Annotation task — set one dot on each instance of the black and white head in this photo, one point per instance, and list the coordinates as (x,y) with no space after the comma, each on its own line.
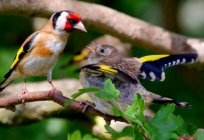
(67,21)
(102,54)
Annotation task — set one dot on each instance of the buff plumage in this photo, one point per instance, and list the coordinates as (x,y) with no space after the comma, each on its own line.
(39,52)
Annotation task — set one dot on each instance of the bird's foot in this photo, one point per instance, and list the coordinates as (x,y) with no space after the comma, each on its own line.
(86,104)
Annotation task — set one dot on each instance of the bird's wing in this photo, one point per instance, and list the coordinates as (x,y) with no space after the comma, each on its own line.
(109,70)
(101,68)
(23,50)
(153,66)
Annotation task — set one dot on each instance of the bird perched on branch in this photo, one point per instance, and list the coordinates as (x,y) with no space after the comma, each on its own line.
(105,62)
(39,52)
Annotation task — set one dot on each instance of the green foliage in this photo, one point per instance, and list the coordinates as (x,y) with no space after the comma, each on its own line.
(50,129)
(79,93)
(199,135)
(109,92)
(165,125)
(76,135)
(128,131)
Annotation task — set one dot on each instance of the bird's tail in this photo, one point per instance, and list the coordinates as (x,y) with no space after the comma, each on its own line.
(153,66)
(8,78)
(4,84)
(164,100)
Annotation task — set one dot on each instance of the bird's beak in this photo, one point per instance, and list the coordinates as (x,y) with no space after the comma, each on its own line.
(80,26)
(92,49)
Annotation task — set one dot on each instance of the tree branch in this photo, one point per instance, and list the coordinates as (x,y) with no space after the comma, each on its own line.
(35,111)
(111,21)
(56,96)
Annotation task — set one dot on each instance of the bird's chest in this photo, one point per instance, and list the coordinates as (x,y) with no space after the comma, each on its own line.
(127,92)
(56,46)
(41,59)
(36,66)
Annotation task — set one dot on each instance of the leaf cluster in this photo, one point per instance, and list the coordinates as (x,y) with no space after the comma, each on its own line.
(165,125)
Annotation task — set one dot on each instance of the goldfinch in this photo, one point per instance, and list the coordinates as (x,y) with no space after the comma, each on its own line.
(149,67)
(39,52)
(105,62)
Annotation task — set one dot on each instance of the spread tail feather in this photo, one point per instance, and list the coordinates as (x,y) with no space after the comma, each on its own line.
(153,66)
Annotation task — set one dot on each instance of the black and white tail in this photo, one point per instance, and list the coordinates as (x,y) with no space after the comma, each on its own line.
(153,66)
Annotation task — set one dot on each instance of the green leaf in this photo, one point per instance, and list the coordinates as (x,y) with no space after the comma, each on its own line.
(84,90)
(135,115)
(67,103)
(165,123)
(79,93)
(199,135)
(135,112)
(128,131)
(89,137)
(76,135)
(191,128)
(182,127)
(138,135)
(116,111)
(109,92)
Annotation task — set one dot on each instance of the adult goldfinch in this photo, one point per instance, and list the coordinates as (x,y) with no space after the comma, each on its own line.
(39,52)
(105,62)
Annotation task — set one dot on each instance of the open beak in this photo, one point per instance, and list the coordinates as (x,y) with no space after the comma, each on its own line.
(80,26)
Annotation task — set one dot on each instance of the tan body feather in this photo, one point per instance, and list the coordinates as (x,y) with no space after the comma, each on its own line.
(41,57)
(40,51)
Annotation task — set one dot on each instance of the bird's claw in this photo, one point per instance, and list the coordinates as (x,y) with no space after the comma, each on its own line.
(86,104)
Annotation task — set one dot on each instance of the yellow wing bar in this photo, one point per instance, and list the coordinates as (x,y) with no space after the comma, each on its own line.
(17,57)
(107,69)
(101,68)
(152,57)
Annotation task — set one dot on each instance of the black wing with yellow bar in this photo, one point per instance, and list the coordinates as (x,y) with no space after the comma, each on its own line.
(106,69)
(153,66)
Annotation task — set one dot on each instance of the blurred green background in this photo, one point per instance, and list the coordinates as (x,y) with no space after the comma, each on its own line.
(184,83)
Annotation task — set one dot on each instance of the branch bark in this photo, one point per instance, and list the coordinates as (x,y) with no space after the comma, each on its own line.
(111,21)
(38,110)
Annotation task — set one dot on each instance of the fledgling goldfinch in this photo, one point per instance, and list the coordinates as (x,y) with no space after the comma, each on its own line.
(39,52)
(105,62)
(107,59)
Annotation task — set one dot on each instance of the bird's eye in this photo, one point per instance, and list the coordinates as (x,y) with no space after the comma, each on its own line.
(102,51)
(72,21)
